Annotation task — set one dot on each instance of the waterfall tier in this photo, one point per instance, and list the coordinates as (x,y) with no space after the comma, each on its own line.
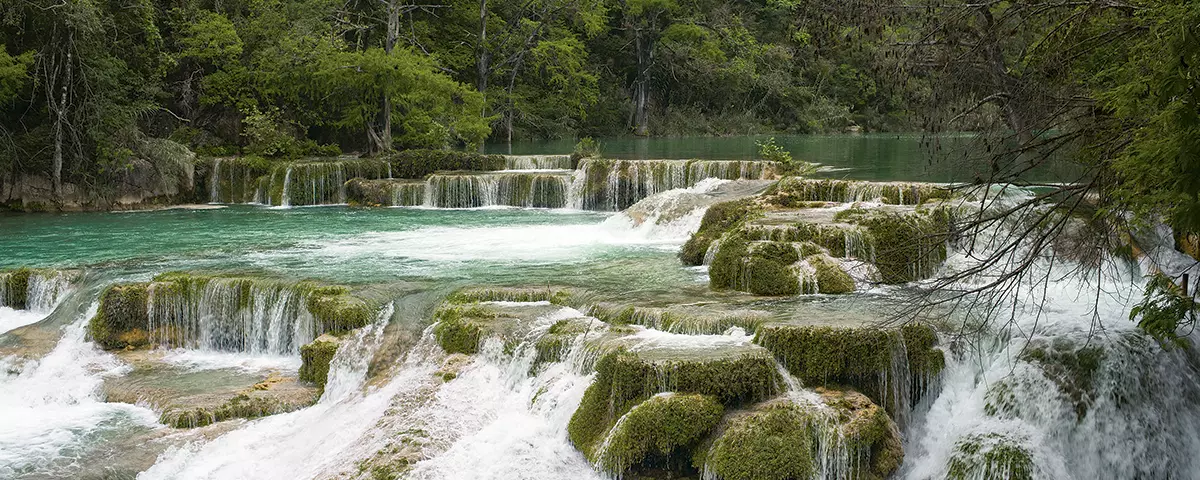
(235,314)
(525,181)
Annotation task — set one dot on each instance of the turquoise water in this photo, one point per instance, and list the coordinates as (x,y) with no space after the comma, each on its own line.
(352,245)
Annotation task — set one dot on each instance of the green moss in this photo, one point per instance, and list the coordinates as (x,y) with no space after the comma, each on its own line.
(122,310)
(624,380)
(989,457)
(768,277)
(870,434)
(831,279)
(17,288)
(771,444)
(337,310)
(718,219)
(725,271)
(781,252)
(315,358)
(658,432)
(857,357)
(458,329)
(907,247)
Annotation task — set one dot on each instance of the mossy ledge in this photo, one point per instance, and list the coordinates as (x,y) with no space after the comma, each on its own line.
(863,358)
(240,406)
(47,285)
(315,358)
(717,220)
(623,379)
(123,317)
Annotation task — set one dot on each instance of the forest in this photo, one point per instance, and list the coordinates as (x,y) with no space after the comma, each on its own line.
(87,87)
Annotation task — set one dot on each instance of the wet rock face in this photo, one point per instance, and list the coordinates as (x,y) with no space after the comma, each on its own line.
(990,457)
(34,289)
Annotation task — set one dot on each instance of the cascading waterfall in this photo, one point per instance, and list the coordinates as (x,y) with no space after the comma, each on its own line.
(534,190)
(230,315)
(850,191)
(537,162)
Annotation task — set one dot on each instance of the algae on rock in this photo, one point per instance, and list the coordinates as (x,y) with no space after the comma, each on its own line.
(989,457)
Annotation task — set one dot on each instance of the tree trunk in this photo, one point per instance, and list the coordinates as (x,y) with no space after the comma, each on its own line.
(59,113)
(641,85)
(380,134)
(482,67)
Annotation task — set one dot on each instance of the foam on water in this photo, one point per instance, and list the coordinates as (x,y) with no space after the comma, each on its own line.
(199,360)
(51,410)
(10,318)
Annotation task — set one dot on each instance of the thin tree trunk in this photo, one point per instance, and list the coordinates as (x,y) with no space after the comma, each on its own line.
(60,112)
(379,135)
(641,85)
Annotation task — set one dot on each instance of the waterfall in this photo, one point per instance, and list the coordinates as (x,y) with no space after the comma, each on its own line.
(408,194)
(230,315)
(537,162)
(214,183)
(614,185)
(286,200)
(850,191)
(531,190)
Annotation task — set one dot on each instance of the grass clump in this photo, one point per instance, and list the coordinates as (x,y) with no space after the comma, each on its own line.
(660,431)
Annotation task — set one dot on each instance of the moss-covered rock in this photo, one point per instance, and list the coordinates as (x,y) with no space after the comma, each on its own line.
(717,220)
(907,247)
(660,431)
(771,443)
(122,319)
(461,329)
(16,288)
(362,192)
(240,406)
(871,434)
(831,279)
(761,268)
(989,457)
(555,295)
(178,295)
(858,357)
(315,358)
(793,191)
(337,309)
(624,379)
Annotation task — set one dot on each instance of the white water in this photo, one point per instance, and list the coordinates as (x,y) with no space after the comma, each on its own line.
(51,411)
